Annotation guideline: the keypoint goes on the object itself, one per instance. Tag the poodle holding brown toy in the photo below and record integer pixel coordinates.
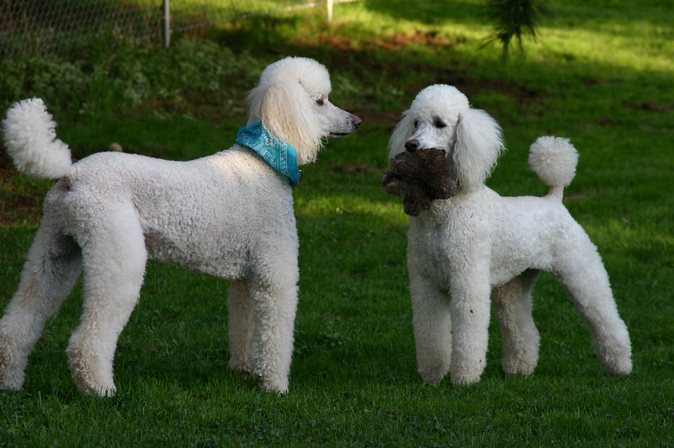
(419, 177)
(229, 215)
(478, 250)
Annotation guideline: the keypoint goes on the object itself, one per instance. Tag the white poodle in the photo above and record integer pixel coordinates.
(478, 245)
(229, 215)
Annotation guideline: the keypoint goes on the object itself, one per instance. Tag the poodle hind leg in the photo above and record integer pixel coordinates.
(582, 273)
(512, 308)
(240, 307)
(114, 266)
(49, 274)
(432, 322)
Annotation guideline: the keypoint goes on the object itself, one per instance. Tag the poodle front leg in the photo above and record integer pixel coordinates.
(49, 274)
(114, 265)
(240, 306)
(470, 327)
(513, 309)
(432, 328)
(275, 305)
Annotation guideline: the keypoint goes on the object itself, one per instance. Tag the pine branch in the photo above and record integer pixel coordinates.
(514, 18)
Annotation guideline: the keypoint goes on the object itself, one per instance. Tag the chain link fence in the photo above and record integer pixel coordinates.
(59, 26)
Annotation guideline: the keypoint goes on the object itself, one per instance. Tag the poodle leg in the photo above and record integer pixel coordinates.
(114, 265)
(240, 305)
(512, 308)
(470, 326)
(274, 308)
(582, 273)
(432, 329)
(50, 272)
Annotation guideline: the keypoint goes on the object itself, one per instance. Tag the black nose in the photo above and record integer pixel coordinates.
(412, 145)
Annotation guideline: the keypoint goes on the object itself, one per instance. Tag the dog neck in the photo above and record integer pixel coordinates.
(280, 155)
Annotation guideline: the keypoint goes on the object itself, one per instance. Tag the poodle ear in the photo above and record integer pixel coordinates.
(285, 109)
(478, 143)
(402, 132)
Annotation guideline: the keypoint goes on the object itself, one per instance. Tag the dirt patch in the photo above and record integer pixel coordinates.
(389, 42)
(650, 106)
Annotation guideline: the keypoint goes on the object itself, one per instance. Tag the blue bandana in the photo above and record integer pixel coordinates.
(281, 156)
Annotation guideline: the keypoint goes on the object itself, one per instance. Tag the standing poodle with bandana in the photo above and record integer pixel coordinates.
(229, 215)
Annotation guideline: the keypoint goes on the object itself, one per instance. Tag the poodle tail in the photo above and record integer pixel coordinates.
(554, 160)
(31, 141)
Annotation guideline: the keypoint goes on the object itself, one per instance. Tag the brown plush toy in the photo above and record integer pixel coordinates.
(419, 177)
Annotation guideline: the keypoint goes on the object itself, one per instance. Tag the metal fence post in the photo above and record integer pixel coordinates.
(166, 23)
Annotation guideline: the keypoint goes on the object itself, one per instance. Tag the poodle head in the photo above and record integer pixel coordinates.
(291, 101)
(440, 117)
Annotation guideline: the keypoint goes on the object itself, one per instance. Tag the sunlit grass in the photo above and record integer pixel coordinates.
(340, 204)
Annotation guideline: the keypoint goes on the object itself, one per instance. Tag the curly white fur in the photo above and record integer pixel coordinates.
(554, 160)
(229, 215)
(31, 141)
(479, 249)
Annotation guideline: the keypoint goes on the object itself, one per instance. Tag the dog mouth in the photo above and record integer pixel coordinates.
(339, 134)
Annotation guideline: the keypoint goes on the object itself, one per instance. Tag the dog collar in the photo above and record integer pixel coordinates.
(280, 155)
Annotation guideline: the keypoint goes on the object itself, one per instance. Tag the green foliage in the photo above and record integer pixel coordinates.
(600, 74)
(128, 77)
(515, 18)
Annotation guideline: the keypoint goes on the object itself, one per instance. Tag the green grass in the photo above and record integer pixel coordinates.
(599, 74)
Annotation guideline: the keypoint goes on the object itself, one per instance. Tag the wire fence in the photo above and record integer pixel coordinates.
(59, 26)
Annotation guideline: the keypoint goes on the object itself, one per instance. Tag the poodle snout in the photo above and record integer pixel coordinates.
(412, 145)
(348, 125)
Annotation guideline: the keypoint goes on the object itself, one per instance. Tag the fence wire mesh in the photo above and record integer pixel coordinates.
(59, 26)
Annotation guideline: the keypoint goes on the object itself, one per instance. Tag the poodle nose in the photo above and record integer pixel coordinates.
(356, 121)
(412, 145)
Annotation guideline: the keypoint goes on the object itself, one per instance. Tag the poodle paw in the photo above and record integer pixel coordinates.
(243, 373)
(279, 386)
(433, 376)
(11, 383)
(519, 365)
(92, 375)
(620, 366)
(11, 377)
(93, 388)
(240, 369)
(465, 378)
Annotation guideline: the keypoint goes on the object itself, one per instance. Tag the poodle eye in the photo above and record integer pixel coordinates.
(319, 102)
(416, 124)
(439, 124)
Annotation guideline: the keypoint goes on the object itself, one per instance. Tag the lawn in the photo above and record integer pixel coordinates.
(600, 73)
